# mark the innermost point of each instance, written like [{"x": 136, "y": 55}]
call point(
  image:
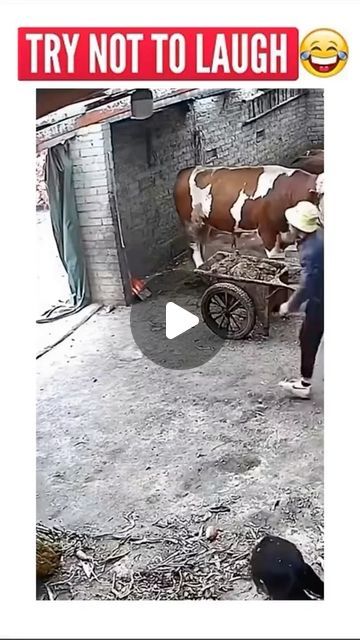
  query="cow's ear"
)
[{"x": 312, "y": 191}]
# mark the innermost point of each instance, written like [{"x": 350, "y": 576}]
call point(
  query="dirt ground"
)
[{"x": 121, "y": 440}]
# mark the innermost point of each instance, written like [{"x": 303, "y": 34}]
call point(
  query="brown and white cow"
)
[{"x": 237, "y": 199}]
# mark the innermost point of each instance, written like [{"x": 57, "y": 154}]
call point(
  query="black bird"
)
[{"x": 279, "y": 570}]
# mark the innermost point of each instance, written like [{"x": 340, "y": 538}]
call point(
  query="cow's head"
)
[{"x": 318, "y": 195}]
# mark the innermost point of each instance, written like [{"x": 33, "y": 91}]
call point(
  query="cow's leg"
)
[
  {"x": 270, "y": 239},
  {"x": 198, "y": 235},
  {"x": 197, "y": 254},
  {"x": 198, "y": 248},
  {"x": 278, "y": 249}
]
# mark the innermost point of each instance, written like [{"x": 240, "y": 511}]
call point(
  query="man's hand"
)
[{"x": 284, "y": 310}]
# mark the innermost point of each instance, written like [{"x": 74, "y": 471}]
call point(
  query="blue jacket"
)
[{"x": 311, "y": 287}]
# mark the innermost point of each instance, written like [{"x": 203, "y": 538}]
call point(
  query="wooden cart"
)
[{"x": 243, "y": 289}]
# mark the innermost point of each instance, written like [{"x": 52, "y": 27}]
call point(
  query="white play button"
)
[
  {"x": 169, "y": 330},
  {"x": 178, "y": 320}
]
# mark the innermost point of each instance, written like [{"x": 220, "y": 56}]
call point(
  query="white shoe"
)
[{"x": 296, "y": 388}]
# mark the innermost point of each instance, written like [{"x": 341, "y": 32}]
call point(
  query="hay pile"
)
[
  {"x": 244, "y": 267},
  {"x": 48, "y": 552}
]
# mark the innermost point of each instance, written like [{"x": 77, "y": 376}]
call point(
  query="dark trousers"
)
[{"x": 311, "y": 332}]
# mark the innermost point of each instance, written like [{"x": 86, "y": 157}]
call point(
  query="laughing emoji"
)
[{"x": 324, "y": 53}]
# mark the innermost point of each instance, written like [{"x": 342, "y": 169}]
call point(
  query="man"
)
[{"x": 304, "y": 222}]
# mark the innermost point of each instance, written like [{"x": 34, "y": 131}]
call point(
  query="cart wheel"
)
[{"x": 228, "y": 311}]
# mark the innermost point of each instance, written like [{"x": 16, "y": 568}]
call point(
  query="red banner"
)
[{"x": 158, "y": 53}]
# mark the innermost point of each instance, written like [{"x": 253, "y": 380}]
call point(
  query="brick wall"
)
[
  {"x": 234, "y": 135},
  {"x": 216, "y": 130},
  {"x": 146, "y": 156},
  {"x": 315, "y": 117},
  {"x": 89, "y": 150}
]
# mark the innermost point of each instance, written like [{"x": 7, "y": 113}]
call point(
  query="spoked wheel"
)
[{"x": 228, "y": 311}]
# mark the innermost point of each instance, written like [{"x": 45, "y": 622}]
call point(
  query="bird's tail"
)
[{"x": 313, "y": 583}]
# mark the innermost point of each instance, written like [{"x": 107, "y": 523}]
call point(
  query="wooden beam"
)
[{"x": 50, "y": 100}]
